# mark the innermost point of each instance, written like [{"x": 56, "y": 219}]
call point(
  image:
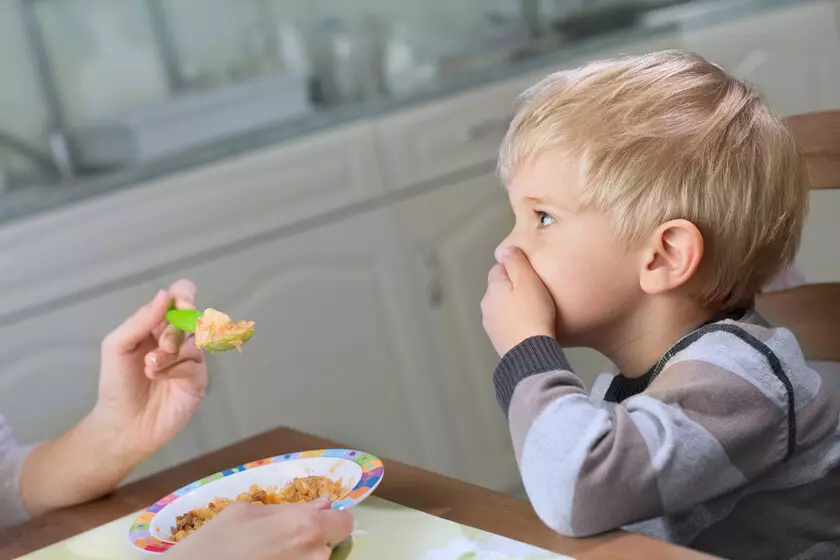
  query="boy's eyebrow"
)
[
  {"x": 541, "y": 200},
  {"x": 537, "y": 199}
]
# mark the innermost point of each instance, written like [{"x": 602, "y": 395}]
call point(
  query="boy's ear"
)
[{"x": 671, "y": 256}]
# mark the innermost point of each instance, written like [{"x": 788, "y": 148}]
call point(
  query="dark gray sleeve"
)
[{"x": 538, "y": 354}]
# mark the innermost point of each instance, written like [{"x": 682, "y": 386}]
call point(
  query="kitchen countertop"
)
[
  {"x": 402, "y": 484},
  {"x": 28, "y": 200}
]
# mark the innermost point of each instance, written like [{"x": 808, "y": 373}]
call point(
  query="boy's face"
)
[{"x": 594, "y": 282}]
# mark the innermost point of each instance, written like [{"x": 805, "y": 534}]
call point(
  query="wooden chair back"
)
[{"x": 812, "y": 311}]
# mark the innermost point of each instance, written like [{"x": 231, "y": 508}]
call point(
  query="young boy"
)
[{"x": 654, "y": 196}]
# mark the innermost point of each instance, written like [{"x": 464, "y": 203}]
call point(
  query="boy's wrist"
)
[
  {"x": 534, "y": 355},
  {"x": 517, "y": 336}
]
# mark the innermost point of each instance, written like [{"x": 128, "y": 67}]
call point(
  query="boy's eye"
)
[{"x": 543, "y": 219}]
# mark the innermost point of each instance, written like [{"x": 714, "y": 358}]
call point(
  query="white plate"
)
[{"x": 361, "y": 472}]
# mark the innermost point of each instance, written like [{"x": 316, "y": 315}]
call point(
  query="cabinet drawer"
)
[
  {"x": 446, "y": 136},
  {"x": 205, "y": 210}
]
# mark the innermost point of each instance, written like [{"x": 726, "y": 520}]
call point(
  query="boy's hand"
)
[
  {"x": 517, "y": 305},
  {"x": 153, "y": 377}
]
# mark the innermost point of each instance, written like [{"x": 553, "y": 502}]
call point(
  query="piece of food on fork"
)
[{"x": 214, "y": 331}]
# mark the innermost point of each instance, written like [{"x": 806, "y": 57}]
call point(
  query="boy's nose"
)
[{"x": 501, "y": 249}]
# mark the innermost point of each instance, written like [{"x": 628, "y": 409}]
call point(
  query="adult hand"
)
[
  {"x": 153, "y": 376},
  {"x": 262, "y": 532}
]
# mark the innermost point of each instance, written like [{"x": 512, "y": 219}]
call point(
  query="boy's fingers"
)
[
  {"x": 498, "y": 274},
  {"x": 518, "y": 267}
]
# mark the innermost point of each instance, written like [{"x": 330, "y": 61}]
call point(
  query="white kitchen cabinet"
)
[
  {"x": 98, "y": 261},
  {"x": 449, "y": 135},
  {"x": 449, "y": 238},
  {"x": 463, "y": 132},
  {"x": 335, "y": 350},
  {"x": 129, "y": 232},
  {"x": 791, "y": 54}
]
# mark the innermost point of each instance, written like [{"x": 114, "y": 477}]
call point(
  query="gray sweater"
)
[{"x": 729, "y": 445}]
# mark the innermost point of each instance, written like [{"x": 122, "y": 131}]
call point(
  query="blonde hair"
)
[{"x": 670, "y": 135}]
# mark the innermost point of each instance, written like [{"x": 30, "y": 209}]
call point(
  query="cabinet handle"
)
[
  {"x": 495, "y": 128},
  {"x": 434, "y": 286}
]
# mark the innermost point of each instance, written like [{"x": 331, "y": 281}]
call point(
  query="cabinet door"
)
[
  {"x": 335, "y": 349},
  {"x": 791, "y": 54},
  {"x": 449, "y": 238},
  {"x": 197, "y": 212},
  {"x": 460, "y": 132},
  {"x": 450, "y": 235}
]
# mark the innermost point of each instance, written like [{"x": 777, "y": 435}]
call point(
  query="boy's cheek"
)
[{"x": 550, "y": 277}]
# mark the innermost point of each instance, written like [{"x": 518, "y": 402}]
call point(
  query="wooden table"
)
[{"x": 435, "y": 494}]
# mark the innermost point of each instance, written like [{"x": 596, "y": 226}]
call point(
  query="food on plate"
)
[
  {"x": 299, "y": 490},
  {"x": 216, "y": 332}
]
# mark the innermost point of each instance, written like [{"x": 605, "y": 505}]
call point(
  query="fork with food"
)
[{"x": 214, "y": 331}]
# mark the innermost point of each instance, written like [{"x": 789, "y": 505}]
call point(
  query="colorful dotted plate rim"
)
[{"x": 372, "y": 470}]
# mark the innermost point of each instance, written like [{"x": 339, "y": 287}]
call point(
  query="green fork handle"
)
[{"x": 183, "y": 319}]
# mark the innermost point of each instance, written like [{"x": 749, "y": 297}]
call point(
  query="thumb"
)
[
  {"x": 286, "y": 510},
  {"x": 518, "y": 267},
  {"x": 139, "y": 326},
  {"x": 316, "y": 504},
  {"x": 321, "y": 503}
]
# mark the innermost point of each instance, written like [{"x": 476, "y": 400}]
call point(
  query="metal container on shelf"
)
[
  {"x": 190, "y": 120},
  {"x": 346, "y": 60}
]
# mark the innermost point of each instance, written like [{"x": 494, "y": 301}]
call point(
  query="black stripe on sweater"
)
[{"x": 623, "y": 388}]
